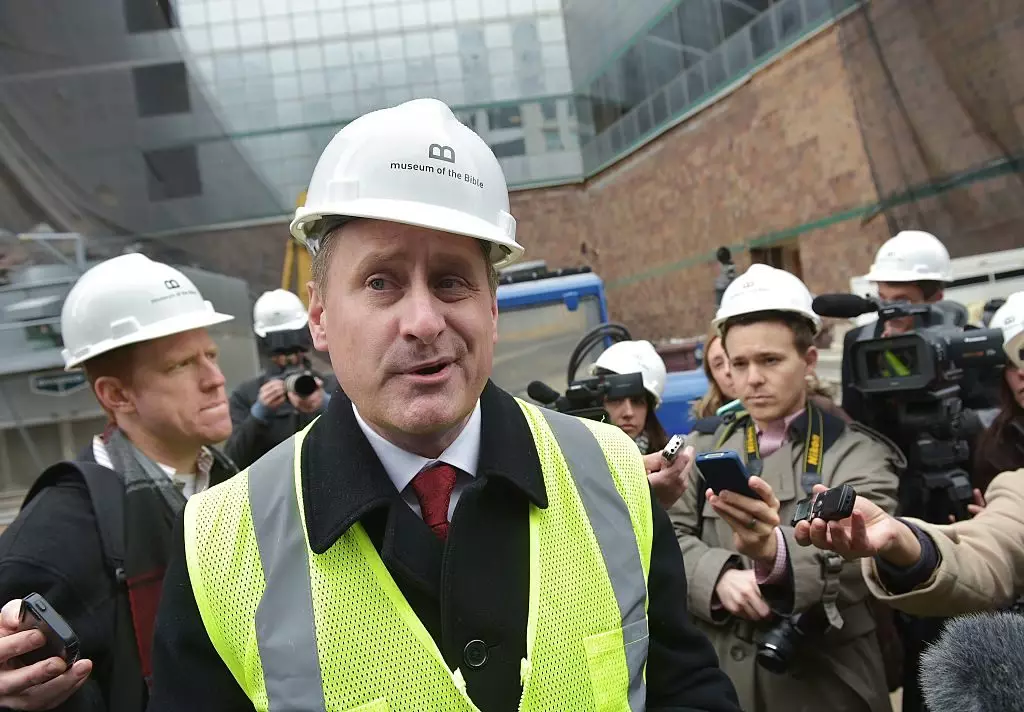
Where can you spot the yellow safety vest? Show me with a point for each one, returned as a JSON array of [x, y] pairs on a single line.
[[356, 643]]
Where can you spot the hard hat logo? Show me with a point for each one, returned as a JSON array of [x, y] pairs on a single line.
[[172, 284], [441, 153]]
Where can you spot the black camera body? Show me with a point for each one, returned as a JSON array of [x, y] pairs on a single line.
[[585, 398], [779, 644], [914, 384]]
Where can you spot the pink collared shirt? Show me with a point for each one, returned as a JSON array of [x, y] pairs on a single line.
[[769, 441]]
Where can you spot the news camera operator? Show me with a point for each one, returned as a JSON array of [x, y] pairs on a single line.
[[774, 613], [288, 395]]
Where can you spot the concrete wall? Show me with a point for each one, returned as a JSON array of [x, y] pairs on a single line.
[[781, 151]]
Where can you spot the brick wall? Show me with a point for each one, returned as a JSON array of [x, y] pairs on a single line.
[[779, 152]]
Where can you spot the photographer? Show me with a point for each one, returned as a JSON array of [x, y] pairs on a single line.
[[776, 596], [912, 267], [270, 408], [635, 414]]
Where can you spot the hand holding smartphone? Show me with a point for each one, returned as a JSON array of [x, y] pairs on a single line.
[[725, 470]]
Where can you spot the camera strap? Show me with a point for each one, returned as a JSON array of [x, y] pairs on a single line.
[[814, 441]]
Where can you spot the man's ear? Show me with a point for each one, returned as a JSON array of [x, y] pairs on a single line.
[[113, 396], [811, 358], [317, 318], [494, 319]]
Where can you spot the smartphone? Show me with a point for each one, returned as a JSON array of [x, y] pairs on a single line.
[[61, 640], [672, 449], [725, 470]]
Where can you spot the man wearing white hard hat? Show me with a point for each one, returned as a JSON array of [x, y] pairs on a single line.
[[913, 267], [289, 394], [94, 536], [750, 587], [635, 414], [430, 542]]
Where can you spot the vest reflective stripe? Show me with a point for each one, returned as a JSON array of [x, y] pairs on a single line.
[[281, 639], [286, 608], [609, 518]]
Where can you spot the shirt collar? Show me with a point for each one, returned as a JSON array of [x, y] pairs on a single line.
[[777, 427], [402, 466]]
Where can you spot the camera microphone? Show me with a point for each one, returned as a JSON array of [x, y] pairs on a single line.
[[977, 664], [843, 306], [542, 392]]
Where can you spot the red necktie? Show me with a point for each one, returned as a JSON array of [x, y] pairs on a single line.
[[433, 487]]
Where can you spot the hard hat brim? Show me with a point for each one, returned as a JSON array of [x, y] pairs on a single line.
[[718, 322], [419, 214], [166, 327], [292, 325], [904, 277]]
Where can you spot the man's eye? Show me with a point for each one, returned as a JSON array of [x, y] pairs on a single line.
[[377, 283]]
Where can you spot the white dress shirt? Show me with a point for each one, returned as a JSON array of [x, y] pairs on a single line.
[[402, 466]]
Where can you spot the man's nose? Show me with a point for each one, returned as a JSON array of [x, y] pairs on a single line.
[[422, 318], [211, 375], [754, 375]]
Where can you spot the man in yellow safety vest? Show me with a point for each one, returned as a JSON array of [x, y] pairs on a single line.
[[430, 542]]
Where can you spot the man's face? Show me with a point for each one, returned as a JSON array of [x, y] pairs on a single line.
[[768, 372], [410, 323], [892, 292], [283, 359], [176, 390]]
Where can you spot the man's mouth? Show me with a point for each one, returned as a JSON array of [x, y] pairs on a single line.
[[430, 369]]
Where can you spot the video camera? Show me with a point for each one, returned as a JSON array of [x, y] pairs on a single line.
[[914, 382], [585, 398]]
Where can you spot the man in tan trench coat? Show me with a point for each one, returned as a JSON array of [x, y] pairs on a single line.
[[768, 328]]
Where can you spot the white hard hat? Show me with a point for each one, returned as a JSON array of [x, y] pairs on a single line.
[[126, 300], [416, 164], [279, 310], [1010, 318], [912, 256], [635, 357], [766, 289]]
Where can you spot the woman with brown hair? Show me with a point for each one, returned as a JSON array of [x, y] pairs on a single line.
[[716, 368]]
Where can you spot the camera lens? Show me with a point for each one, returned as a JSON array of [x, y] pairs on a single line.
[[775, 651], [301, 384]]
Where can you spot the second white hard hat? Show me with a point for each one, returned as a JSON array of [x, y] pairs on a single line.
[[635, 357], [126, 300], [912, 256], [766, 289], [278, 310], [416, 164], [1010, 318]]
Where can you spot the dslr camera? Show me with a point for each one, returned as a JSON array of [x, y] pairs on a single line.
[[300, 381]]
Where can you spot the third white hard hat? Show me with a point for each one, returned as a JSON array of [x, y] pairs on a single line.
[[126, 300], [912, 256], [766, 289], [1010, 318], [416, 164], [279, 310], [635, 357]]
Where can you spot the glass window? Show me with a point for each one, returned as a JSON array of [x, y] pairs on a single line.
[[149, 15], [309, 58], [172, 173], [504, 117], [282, 60], [302, 5], [390, 48], [289, 112], [789, 19], [699, 24], [714, 69], [632, 72], [414, 14], [449, 69], [365, 51], [417, 44], [659, 108], [251, 34], [386, 18], [662, 63], [445, 42], [506, 149], [161, 89], [313, 84], [279, 31], [358, 22], [498, 35], [440, 12], [553, 140], [421, 72], [336, 54], [549, 110], [219, 12], [223, 36], [393, 73], [643, 120], [467, 10], [762, 36], [286, 87], [306, 27], [501, 61], [551, 29], [367, 77], [734, 18], [524, 34]]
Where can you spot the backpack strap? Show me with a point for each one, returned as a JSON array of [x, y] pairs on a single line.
[[107, 496]]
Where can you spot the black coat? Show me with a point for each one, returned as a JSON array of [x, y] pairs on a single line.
[[483, 572], [252, 438], [53, 548]]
